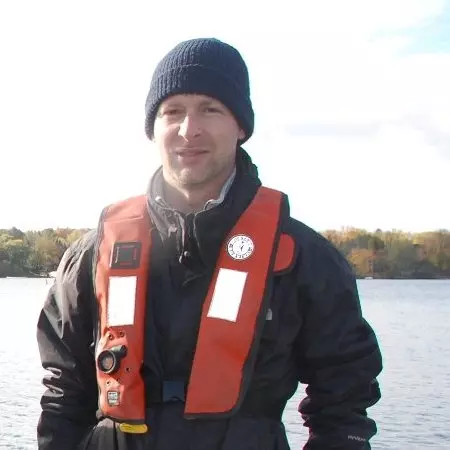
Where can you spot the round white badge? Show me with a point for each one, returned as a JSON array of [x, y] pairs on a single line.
[[240, 247]]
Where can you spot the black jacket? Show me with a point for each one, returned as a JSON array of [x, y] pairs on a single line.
[[316, 336]]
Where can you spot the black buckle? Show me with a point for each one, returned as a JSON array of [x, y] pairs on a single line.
[[173, 391], [126, 255]]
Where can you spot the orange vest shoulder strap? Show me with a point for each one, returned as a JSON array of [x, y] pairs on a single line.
[[235, 308], [121, 273]]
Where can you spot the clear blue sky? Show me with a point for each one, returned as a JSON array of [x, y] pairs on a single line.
[[352, 105]]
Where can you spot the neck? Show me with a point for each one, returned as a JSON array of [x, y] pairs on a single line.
[[192, 199]]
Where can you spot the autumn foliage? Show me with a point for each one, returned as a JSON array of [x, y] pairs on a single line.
[[394, 254], [379, 254]]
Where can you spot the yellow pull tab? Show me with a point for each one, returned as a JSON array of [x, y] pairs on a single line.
[[130, 428]]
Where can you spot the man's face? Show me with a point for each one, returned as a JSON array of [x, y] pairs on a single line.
[[197, 137]]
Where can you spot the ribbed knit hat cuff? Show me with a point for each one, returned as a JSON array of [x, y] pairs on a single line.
[[196, 79]]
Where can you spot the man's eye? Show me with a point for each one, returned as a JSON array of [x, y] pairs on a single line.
[[172, 111]]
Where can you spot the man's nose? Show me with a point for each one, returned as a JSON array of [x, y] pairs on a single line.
[[190, 127]]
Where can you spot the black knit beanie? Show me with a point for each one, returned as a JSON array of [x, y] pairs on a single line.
[[203, 66]]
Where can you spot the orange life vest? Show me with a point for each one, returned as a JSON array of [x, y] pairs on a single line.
[[233, 314]]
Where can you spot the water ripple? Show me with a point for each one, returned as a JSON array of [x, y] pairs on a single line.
[[411, 319]]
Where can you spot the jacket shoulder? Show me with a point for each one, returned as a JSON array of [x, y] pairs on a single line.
[[78, 256], [315, 252], [83, 244]]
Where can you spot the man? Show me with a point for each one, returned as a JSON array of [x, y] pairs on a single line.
[[188, 319]]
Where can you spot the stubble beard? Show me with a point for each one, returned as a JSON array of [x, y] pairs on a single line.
[[187, 178]]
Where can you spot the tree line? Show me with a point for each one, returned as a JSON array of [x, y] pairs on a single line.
[[379, 254], [34, 253], [394, 254]]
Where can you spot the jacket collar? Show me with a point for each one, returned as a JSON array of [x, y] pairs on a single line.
[[210, 226]]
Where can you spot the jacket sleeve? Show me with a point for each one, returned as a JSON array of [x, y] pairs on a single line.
[[65, 336], [337, 353]]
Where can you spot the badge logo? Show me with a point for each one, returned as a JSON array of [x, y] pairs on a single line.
[[240, 247]]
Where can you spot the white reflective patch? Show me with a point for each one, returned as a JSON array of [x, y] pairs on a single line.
[[269, 314], [227, 294], [122, 298]]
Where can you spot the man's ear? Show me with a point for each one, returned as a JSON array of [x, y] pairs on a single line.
[[241, 134]]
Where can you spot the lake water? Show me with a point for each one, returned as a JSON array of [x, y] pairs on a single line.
[[411, 319]]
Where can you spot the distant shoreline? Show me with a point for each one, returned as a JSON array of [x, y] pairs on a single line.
[[390, 255]]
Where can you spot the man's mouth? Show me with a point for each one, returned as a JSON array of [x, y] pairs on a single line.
[[190, 153]]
